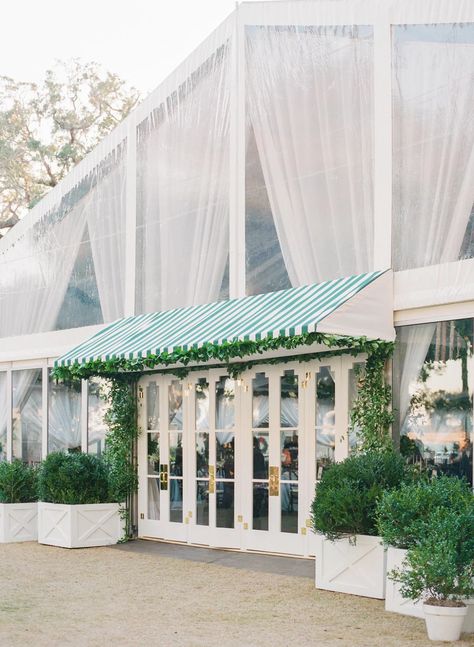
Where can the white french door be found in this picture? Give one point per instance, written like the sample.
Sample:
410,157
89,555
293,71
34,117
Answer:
234,463
162,458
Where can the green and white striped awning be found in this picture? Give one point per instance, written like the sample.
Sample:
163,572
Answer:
356,306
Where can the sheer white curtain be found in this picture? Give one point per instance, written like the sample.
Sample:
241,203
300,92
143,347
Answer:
183,161
64,418
35,273
310,102
106,223
260,410
289,412
27,414
3,416
433,84
413,344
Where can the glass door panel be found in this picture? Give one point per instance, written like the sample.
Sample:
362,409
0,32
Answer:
289,417
161,464
325,394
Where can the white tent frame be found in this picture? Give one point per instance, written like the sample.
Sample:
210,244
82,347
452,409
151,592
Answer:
415,298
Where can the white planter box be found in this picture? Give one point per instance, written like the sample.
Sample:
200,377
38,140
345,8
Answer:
79,526
393,599
18,522
358,568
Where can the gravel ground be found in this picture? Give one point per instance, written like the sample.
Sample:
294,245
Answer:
103,596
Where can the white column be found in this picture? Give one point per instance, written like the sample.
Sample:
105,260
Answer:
9,416
44,418
131,217
382,139
84,415
237,161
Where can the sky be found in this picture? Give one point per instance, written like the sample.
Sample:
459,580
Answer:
141,40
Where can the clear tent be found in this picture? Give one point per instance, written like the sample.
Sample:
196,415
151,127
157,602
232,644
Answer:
257,165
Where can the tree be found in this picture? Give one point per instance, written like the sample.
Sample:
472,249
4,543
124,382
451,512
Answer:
47,128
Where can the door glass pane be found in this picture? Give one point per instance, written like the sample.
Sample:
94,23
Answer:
176,500
176,453
260,401
289,507
289,455
224,504
3,416
225,403
175,405
27,415
153,498
152,406
260,506
202,404
225,454
64,416
153,443
325,419
260,454
202,503
202,454
289,400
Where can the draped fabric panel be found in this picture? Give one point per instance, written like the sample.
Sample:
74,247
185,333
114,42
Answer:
64,417
3,416
433,128
50,260
310,104
27,415
183,190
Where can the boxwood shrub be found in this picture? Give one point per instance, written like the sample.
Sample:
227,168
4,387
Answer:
346,498
403,515
18,482
73,479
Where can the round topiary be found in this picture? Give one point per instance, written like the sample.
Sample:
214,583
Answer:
73,479
18,482
403,515
346,498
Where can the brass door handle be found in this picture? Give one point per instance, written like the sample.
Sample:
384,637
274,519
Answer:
274,481
163,477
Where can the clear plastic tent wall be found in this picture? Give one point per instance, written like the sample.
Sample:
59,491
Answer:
310,110
183,186
302,141
67,267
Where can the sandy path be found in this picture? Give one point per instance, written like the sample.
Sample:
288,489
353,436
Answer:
95,597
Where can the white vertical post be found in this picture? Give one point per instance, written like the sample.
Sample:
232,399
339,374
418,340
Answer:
237,161
9,415
84,415
382,138
45,409
131,218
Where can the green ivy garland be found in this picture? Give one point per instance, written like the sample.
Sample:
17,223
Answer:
121,420
371,413
223,354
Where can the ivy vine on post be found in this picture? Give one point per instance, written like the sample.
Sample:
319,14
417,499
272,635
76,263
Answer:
371,413
121,420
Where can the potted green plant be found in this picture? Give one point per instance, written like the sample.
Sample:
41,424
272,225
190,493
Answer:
350,557
76,508
403,516
439,570
18,502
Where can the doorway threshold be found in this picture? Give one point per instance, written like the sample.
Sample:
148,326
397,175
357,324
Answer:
252,561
